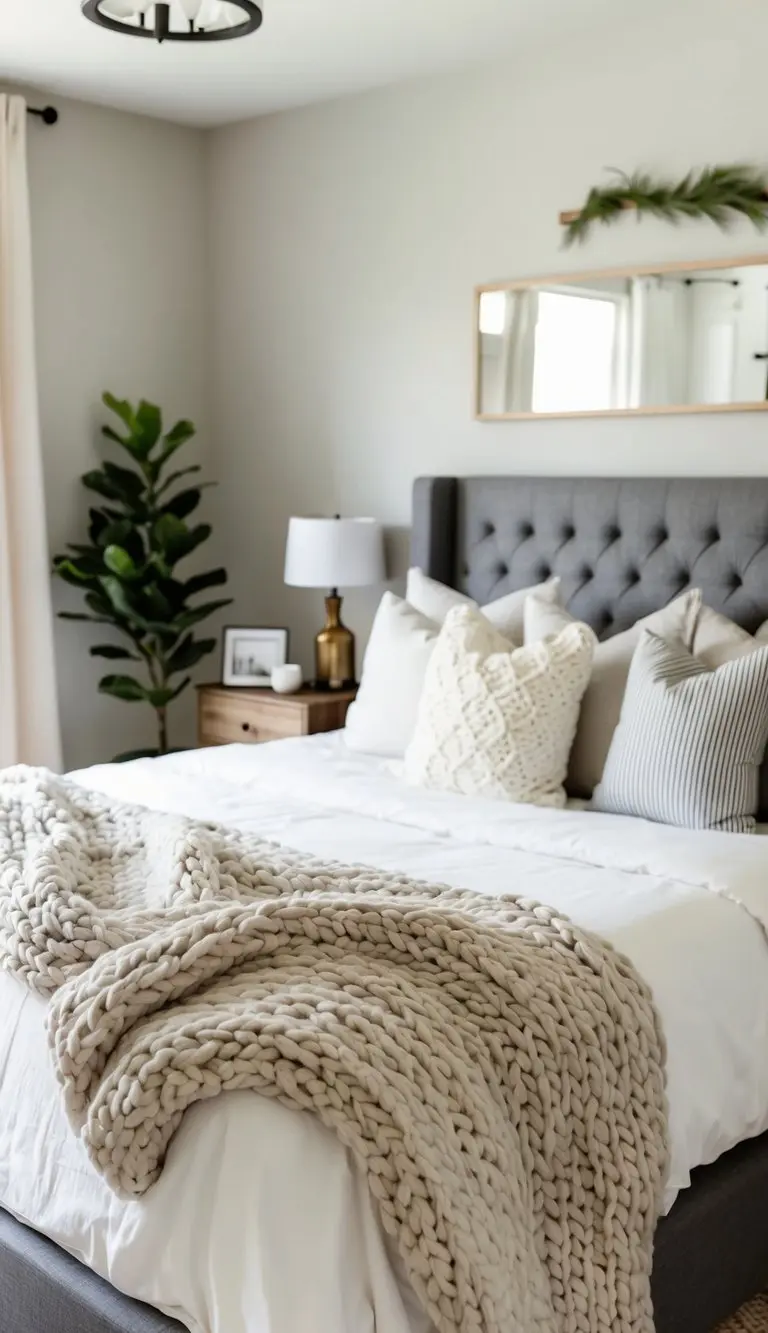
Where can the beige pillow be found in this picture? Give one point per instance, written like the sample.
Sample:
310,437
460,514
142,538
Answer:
435,600
495,721
718,639
601,705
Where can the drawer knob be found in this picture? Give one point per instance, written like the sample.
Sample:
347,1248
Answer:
247,727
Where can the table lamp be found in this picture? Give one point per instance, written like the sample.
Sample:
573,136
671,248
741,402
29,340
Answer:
334,553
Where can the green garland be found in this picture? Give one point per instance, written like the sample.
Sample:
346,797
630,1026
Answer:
715,193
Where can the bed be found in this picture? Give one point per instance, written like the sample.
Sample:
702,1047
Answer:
225,1261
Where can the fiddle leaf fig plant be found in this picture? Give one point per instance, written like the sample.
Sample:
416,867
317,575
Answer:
138,535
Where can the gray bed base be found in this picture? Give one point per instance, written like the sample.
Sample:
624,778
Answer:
711,1255
622,548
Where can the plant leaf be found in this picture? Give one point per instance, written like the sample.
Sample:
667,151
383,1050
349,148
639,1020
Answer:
149,426
70,572
118,561
176,476
79,615
98,602
181,432
175,539
199,613
130,484
194,538
91,551
167,530
124,687
121,601
111,434
155,604
112,651
99,482
122,408
161,698
183,504
189,652
213,579
98,522
180,688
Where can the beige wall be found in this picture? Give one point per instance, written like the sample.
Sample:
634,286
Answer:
120,255
346,240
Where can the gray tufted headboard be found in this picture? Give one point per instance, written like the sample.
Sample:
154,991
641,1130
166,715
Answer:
622,547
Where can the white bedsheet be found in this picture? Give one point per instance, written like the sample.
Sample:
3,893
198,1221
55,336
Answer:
260,1222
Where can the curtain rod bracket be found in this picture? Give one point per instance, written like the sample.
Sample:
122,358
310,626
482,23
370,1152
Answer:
48,114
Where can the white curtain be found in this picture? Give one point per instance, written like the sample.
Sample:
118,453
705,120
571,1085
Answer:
659,340
519,350
29,720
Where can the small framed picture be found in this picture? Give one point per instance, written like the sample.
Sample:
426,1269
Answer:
250,655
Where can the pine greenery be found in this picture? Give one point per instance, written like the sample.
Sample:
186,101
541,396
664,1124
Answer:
717,193
127,569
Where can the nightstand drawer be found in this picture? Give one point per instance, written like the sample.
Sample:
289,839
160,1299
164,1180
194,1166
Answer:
225,719
228,716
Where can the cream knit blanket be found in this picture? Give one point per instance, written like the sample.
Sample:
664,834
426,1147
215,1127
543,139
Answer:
496,1072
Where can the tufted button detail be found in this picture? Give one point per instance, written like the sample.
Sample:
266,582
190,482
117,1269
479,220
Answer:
713,535
662,535
607,619
612,534
736,579
683,577
543,572
502,570
488,529
568,533
633,577
526,530
587,574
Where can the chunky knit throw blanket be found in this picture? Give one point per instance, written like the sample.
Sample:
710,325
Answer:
496,1072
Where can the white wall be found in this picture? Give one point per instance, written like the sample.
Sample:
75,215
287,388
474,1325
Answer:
120,257
347,238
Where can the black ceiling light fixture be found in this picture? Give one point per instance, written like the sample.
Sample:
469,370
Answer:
177,20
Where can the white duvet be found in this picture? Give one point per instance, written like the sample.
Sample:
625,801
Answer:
260,1223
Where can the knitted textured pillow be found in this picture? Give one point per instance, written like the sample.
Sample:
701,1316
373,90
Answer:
690,739
498,722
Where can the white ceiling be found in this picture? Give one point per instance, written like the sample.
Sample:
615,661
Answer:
307,50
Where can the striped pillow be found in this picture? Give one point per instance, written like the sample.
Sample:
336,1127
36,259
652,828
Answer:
690,740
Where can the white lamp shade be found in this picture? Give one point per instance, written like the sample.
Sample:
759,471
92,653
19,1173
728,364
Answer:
334,553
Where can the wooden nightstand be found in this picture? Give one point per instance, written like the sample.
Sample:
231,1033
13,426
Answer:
252,716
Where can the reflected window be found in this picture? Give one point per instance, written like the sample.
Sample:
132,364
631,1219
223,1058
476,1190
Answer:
493,312
575,362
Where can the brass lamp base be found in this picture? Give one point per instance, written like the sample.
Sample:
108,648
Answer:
334,650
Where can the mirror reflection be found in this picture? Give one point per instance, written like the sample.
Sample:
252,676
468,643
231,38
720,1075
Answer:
693,337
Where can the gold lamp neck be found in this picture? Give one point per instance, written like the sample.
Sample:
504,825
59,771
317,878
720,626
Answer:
334,648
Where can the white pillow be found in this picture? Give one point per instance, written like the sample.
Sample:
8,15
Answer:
495,721
383,716
435,600
601,706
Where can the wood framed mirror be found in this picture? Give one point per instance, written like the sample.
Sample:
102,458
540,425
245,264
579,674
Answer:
654,339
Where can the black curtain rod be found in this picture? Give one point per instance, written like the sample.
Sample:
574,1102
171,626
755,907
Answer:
48,114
